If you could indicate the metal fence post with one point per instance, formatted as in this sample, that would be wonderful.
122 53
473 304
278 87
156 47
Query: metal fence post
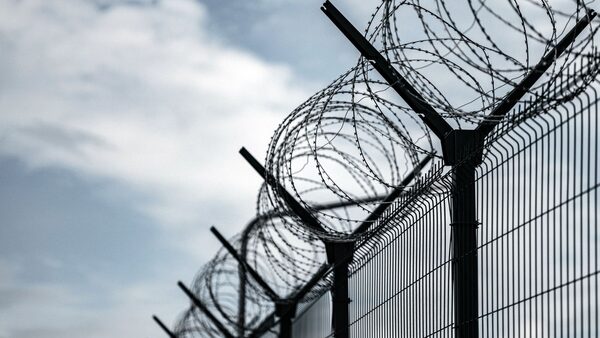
339 255
464 251
462 152
286 311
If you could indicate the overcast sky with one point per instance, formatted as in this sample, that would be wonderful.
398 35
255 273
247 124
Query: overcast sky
120 122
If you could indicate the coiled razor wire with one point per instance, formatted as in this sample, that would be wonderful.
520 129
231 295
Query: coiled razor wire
355 140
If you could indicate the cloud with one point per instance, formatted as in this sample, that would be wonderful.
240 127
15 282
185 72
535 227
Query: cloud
36 309
133 94
137 93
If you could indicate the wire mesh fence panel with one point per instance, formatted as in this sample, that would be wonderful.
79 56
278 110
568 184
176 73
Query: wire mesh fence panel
408 276
314 320
538 239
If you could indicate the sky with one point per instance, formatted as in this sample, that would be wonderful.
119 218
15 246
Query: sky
120 122
120 125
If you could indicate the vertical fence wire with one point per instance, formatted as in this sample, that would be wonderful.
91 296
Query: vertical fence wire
404 279
538 242
314 319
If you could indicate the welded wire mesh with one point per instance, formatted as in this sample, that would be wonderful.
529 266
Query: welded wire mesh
314 319
408 276
538 240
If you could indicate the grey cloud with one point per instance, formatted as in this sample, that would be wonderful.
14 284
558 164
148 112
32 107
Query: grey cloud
140 97
70 140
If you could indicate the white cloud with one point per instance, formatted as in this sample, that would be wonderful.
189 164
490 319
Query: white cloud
47 309
140 95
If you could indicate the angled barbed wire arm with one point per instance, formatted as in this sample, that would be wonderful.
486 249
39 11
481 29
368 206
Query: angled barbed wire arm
385 204
328 206
318 275
513 97
342 204
296 207
426 112
205 310
164 327
270 292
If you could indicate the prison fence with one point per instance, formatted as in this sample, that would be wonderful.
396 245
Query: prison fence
366 227
537 243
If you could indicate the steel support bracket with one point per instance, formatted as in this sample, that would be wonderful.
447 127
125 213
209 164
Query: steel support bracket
337 252
339 255
286 311
462 146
